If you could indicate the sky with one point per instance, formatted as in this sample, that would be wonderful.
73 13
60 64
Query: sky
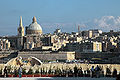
52 14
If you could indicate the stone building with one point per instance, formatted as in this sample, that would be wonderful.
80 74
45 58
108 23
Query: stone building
72 47
91 33
32 41
4 44
90 46
48 56
53 43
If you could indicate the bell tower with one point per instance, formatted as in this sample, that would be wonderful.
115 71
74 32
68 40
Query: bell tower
20 42
20 28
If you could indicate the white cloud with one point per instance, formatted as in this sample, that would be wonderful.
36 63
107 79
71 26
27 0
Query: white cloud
104 23
109 22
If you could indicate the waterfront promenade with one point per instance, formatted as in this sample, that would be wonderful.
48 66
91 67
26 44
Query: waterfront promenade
58 78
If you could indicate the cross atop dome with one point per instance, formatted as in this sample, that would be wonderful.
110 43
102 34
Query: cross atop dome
34 19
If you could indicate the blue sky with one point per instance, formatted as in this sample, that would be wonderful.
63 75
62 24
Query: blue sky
52 14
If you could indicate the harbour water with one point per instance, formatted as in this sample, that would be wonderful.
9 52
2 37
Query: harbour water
58 78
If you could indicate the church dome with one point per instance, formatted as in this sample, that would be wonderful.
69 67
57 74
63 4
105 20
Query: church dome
34 28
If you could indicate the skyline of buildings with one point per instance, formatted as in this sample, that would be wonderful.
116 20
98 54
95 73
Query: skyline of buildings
62 46
32 38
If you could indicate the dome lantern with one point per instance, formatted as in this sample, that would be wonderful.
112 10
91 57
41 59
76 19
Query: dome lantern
34 19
